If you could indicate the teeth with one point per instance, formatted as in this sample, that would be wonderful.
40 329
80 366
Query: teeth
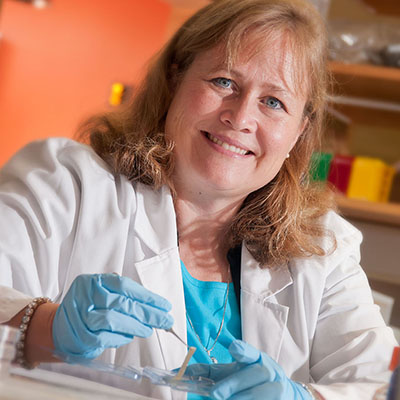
226 146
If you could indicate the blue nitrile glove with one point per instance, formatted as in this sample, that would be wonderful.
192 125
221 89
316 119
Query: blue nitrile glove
254 375
106 310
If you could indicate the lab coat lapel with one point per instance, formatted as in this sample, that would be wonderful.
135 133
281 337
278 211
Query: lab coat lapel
162 274
155 221
263 318
160 271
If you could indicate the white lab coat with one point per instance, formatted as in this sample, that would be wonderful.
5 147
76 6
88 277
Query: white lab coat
63 214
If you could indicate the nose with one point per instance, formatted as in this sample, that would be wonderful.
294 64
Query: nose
239 114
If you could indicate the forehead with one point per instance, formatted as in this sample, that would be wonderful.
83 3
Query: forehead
273 58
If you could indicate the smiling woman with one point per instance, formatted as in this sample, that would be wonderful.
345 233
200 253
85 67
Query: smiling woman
192 207
224 43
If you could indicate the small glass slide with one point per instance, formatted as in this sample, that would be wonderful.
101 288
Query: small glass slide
193 384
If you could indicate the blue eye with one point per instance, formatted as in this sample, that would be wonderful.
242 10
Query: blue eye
273 102
223 82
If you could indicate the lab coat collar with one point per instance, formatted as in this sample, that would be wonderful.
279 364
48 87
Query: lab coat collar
264 320
262 282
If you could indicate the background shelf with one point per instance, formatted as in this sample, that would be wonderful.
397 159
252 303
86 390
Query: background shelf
384 213
367 94
371 84
367 81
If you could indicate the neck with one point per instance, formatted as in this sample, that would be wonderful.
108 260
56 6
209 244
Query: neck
202 222
202 228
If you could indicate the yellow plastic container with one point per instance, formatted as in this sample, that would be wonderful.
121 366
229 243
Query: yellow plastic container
370 179
117 91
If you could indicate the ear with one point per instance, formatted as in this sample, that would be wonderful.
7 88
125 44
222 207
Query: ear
302 128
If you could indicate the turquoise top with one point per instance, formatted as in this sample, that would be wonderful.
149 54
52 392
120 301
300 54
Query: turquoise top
204 308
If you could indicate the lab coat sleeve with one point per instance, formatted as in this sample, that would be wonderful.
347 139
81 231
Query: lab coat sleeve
351 341
40 190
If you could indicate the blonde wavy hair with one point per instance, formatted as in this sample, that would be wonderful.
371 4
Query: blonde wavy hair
282 219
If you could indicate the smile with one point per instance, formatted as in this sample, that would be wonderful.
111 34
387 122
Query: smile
226 146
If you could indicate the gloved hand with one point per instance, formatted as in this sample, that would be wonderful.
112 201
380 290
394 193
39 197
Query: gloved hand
254 375
106 310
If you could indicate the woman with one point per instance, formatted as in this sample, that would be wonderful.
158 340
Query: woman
192 209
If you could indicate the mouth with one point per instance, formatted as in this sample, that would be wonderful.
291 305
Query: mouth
227 146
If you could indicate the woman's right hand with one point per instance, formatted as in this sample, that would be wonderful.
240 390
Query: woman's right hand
101 311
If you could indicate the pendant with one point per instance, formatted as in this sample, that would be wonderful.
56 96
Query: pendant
213 359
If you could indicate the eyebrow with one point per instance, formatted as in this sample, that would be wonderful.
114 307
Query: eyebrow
271 86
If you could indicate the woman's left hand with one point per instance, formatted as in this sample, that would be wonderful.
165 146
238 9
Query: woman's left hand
254 375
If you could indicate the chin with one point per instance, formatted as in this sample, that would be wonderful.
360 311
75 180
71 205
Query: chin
226 188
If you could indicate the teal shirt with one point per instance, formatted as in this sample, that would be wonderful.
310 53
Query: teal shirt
205 306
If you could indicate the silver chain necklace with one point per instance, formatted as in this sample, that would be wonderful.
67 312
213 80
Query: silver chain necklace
208 351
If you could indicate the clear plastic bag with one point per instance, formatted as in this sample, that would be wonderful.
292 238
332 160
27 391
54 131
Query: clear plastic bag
192 384
126 376
364 42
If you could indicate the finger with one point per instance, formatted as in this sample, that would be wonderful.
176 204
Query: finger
108 339
246 378
244 352
270 391
198 370
145 313
216 372
129 288
116 323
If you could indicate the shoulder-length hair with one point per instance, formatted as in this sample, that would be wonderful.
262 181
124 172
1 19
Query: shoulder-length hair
280 220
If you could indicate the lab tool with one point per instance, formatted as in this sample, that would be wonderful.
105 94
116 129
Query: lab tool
176 335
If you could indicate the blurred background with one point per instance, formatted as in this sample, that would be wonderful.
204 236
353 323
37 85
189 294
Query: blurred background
63 60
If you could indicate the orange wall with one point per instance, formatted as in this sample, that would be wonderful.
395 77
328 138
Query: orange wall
57 64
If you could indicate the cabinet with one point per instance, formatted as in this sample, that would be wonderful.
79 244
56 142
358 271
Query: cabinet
368 95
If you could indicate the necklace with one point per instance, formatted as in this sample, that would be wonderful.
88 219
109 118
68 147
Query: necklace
208 351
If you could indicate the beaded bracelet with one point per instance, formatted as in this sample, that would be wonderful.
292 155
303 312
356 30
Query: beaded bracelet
26 319
311 391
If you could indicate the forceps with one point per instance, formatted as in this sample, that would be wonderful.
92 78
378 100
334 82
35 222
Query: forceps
170 330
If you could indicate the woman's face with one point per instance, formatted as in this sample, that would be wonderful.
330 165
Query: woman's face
233 129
